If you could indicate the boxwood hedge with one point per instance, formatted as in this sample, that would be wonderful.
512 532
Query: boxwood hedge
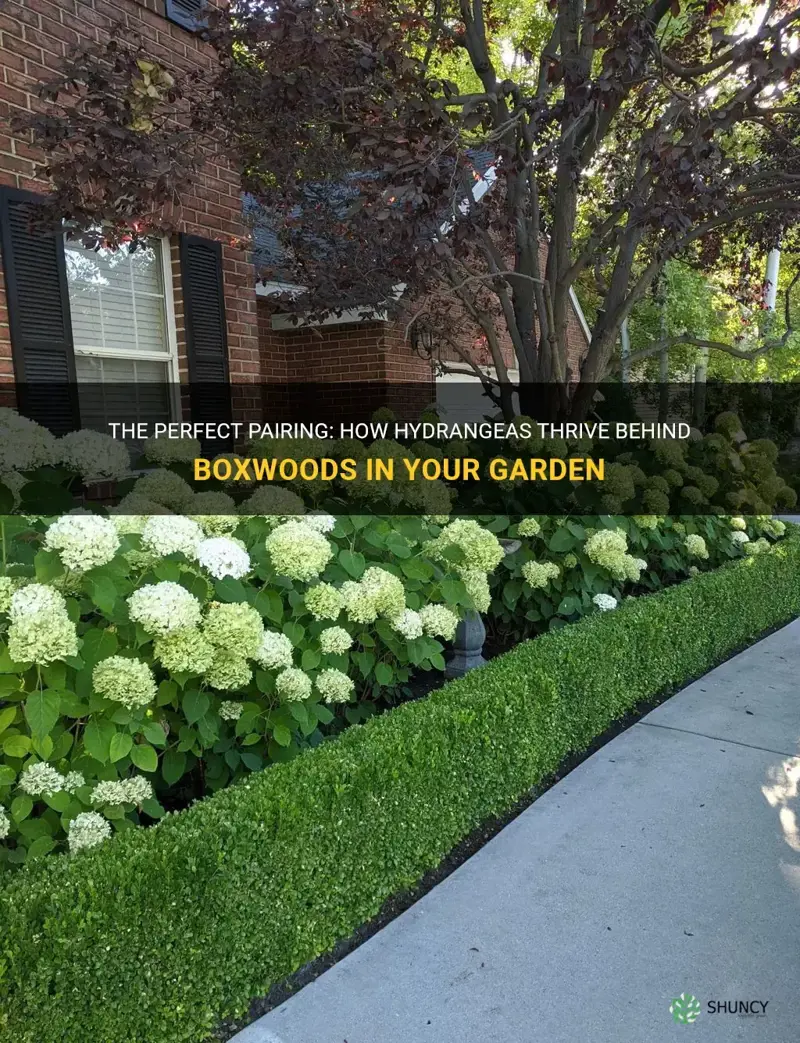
156 934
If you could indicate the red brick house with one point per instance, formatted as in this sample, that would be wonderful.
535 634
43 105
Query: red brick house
187 310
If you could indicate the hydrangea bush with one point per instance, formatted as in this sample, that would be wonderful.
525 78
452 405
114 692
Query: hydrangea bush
565 568
147 659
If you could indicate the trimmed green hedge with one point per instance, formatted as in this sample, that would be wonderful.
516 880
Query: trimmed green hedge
155 935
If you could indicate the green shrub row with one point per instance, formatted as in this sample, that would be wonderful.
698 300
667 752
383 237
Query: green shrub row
153 936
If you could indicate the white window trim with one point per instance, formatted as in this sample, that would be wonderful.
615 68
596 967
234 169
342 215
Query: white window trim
170 356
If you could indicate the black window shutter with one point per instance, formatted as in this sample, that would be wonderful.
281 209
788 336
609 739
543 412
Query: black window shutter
186 13
206 332
38 311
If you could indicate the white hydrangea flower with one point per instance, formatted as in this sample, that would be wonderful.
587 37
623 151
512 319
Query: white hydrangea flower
693 570
94 455
737 536
274 504
228 671
476 583
334 686
408 623
539 573
24 444
41 780
293 685
73 780
132 512
439 621
335 641
640 564
696 546
739 524
230 710
222 557
83 541
215 513
163 608
41 631
7 588
87 830
172 534
276 651
111 792
235 627
5 824
34 600
167 488
323 523
126 681
298 551
386 591
184 651
324 601
359 602
481 549
609 549
605 602
137 789
171 450
529 527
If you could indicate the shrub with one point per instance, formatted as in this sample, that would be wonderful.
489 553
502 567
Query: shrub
563 565
159 932
144 662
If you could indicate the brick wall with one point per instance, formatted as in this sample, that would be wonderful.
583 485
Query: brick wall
34 37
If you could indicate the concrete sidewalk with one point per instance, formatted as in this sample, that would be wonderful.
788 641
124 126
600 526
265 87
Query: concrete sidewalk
667 863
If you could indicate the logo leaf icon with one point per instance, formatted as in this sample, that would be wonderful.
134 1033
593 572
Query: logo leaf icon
685 1009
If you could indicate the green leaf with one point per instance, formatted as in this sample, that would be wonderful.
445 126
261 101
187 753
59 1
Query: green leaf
152 808
253 761
269 604
7 716
42 712
230 589
145 757
167 693
103 593
21 807
40 847
98 645
6 500
353 563
173 766
97 739
47 565
195 705
453 590
384 674
282 735
7 664
7 775
120 746
562 540
46 498
154 733
295 632
17 746
310 659
324 715
398 545
58 801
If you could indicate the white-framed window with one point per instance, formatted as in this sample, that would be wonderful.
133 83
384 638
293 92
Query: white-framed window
123 331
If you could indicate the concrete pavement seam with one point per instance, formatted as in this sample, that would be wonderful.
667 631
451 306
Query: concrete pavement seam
718 738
